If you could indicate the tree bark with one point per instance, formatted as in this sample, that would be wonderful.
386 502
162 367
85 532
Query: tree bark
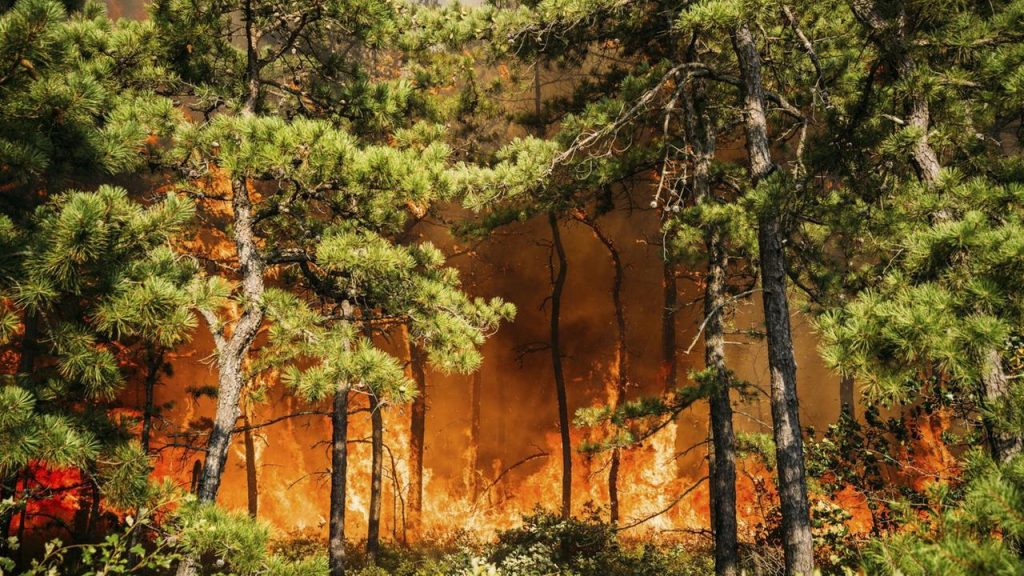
417 434
376 472
723 453
1004 445
231 353
796 521
556 363
890 36
339 479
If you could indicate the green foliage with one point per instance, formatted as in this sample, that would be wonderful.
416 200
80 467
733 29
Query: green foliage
93 272
945 299
978 534
87 80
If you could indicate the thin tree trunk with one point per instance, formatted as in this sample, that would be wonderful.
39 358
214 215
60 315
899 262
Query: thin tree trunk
339 479
670 292
847 403
723 453
622 370
376 471
252 487
476 391
723 439
796 521
231 353
417 435
155 363
556 363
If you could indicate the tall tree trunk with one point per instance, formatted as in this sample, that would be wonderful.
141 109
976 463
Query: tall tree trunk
339 479
556 363
417 435
622 370
723 461
847 402
723 439
376 472
476 391
231 353
796 521
670 296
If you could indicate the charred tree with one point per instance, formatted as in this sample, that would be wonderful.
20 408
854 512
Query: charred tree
847 403
771 230
154 364
251 483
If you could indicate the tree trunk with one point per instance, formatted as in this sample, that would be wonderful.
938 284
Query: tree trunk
339 478
796 521
231 353
622 370
723 461
155 363
556 363
376 471
1005 445
723 439
417 433
669 367
847 402
474 433
252 487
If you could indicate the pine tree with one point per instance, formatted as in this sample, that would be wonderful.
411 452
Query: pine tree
96 273
940 179
332 146
77 102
